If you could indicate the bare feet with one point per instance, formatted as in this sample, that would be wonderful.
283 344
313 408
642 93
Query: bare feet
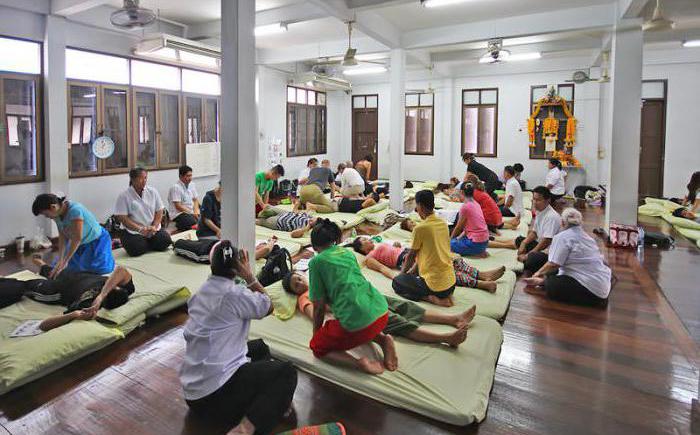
464 319
458 337
370 366
481 255
391 359
442 302
492 275
245 427
310 206
489 286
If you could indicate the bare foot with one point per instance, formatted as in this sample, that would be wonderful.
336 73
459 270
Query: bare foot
480 255
464 319
442 302
456 338
370 366
391 359
310 206
245 427
492 275
36 259
489 286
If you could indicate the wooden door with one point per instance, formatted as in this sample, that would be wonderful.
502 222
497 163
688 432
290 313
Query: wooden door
651 159
365 125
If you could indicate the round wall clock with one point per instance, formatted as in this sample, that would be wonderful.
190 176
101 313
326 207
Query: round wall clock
103 147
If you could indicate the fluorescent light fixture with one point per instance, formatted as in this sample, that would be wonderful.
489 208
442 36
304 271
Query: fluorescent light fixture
438 3
524 56
692 43
362 70
270 29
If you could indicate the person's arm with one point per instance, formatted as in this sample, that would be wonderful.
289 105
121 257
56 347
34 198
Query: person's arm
62 319
258 198
299 232
61 253
548 268
319 314
509 201
120 276
244 270
212 226
373 264
130 224
267 198
457 230
522 249
181 208
542 244
409 263
157 219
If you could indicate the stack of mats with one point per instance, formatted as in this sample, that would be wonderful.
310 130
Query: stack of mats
663 209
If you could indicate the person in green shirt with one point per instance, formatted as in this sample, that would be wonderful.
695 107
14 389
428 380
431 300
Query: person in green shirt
360 311
264 181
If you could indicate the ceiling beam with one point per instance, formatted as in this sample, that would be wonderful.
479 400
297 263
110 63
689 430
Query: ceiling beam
631 8
71 7
583 43
565 20
372 4
368 22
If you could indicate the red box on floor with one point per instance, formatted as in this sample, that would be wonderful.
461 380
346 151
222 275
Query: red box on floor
624 236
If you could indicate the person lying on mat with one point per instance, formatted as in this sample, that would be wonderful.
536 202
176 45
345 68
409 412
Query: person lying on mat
209 226
470 236
405 317
355 203
311 196
183 200
277 219
547 223
427 273
360 311
264 182
223 375
575 271
512 203
684 213
387 258
140 210
83 244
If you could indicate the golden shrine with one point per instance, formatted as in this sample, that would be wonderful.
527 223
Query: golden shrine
549 127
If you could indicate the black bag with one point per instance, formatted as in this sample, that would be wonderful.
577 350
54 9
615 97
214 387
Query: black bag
11 291
580 191
660 240
278 264
194 250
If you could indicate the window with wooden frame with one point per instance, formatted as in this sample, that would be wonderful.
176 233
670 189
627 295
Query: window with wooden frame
156 128
480 122
21 153
420 118
566 91
306 122
201 123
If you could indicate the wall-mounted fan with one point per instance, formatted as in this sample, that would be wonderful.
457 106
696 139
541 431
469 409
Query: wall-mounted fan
132 16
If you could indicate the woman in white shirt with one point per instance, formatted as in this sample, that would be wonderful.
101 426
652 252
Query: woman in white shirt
222 373
583 278
555 180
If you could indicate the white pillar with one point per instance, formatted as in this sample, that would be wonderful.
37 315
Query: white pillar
55 109
626 96
238 120
397 110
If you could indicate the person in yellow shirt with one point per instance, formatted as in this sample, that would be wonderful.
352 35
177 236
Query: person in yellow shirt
427 273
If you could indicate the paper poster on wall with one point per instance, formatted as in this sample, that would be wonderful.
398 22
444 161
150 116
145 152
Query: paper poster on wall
204 158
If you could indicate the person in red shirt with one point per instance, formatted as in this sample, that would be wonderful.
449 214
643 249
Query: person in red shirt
492 214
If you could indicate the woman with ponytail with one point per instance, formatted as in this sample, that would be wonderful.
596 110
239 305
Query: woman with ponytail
555 181
470 235
360 312
223 375
83 244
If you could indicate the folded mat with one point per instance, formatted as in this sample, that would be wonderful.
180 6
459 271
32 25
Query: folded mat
344 220
433 380
25 359
689 233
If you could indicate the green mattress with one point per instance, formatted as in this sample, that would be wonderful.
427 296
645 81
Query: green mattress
344 220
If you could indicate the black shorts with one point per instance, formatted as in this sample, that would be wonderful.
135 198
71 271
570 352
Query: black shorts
348 205
414 287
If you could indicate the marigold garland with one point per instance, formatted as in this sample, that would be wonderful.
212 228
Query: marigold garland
551 125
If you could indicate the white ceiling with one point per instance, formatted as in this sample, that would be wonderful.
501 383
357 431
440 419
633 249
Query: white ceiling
307 32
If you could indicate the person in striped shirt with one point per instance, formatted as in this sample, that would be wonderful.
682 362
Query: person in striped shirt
279 219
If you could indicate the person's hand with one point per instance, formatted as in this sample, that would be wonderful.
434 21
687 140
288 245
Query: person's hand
521 249
196 215
94 308
83 315
398 245
243 268
534 281
522 258
218 234
60 265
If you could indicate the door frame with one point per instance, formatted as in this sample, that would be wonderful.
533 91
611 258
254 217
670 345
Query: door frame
375 164
664 101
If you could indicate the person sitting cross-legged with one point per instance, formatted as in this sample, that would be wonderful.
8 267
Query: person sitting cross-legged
183 200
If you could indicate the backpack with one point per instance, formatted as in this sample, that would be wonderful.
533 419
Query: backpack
659 240
11 291
277 266
194 250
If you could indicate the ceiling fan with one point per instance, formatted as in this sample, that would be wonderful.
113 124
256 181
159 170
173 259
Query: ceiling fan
132 16
348 59
495 52
658 22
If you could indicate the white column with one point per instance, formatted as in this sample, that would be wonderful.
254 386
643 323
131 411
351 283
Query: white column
626 96
238 120
397 110
55 109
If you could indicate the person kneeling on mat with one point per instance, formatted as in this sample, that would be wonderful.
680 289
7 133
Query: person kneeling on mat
428 273
387 259
311 195
360 311
223 375
183 200
405 317
140 210
583 278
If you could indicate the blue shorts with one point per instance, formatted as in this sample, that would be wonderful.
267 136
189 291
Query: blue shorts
465 246
95 256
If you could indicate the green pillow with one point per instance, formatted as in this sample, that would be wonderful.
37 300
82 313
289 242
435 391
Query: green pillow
681 222
284 304
382 205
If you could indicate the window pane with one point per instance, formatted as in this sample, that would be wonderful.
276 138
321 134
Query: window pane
311 131
487 130
301 96
321 128
146 129
426 99
566 92
411 135
358 102
425 130
198 82
538 93
154 75
653 90
194 119
311 97
302 145
211 117
292 130
198 59
291 94
412 100
96 67
372 102
115 127
471 97
321 99
169 129
471 118
489 97
20 56
83 107
20 107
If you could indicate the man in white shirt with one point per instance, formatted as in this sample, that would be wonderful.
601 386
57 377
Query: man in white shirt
352 185
547 224
140 210
183 201
304 174
512 205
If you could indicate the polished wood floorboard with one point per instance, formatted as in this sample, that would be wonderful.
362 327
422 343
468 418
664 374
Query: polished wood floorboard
629 369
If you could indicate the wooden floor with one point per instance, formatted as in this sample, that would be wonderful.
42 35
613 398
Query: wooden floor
629 369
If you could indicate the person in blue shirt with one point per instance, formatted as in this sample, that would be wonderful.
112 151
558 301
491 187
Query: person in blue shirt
83 244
